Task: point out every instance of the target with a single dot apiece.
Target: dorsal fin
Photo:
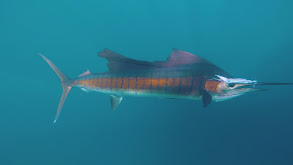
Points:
(87, 72)
(118, 62)
(176, 59)
(179, 57)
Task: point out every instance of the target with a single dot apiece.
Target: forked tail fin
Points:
(63, 79)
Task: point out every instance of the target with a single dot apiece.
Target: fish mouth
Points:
(241, 86)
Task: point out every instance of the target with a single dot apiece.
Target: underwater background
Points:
(251, 39)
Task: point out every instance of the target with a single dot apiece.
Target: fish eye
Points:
(231, 85)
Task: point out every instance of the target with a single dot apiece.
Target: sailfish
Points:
(182, 76)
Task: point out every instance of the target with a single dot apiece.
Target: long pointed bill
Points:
(245, 82)
(264, 83)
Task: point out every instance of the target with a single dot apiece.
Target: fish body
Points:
(161, 84)
(182, 76)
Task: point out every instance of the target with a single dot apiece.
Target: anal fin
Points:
(115, 100)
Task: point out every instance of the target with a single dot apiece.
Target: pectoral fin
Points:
(206, 98)
(115, 100)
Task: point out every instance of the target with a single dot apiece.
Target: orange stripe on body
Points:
(80, 83)
(125, 83)
(147, 83)
(155, 83)
(170, 82)
(91, 83)
(119, 82)
(188, 85)
(132, 83)
(95, 83)
(162, 82)
(87, 83)
(99, 82)
(104, 83)
(113, 85)
(108, 83)
(140, 83)
(83, 82)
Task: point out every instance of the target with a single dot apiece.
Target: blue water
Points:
(251, 39)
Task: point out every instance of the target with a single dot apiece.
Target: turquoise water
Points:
(250, 39)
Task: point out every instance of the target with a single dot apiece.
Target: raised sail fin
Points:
(179, 59)
(118, 62)
(115, 100)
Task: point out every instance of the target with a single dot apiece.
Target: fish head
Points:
(228, 88)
